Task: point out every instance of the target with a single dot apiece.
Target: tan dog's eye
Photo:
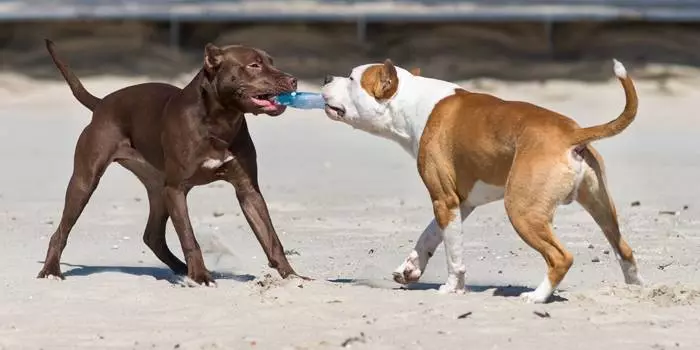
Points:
(254, 65)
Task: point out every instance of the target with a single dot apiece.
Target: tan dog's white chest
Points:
(483, 193)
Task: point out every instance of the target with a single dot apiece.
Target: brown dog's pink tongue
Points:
(262, 103)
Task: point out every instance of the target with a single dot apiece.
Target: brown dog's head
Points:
(244, 78)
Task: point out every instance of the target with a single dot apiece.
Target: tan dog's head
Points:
(362, 98)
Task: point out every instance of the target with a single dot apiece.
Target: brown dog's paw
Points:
(50, 273)
(200, 278)
(294, 275)
(289, 273)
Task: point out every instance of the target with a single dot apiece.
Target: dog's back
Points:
(135, 110)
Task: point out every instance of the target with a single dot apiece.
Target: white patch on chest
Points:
(211, 163)
(483, 193)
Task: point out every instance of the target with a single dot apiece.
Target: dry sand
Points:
(348, 207)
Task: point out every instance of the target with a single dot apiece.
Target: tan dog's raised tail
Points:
(474, 149)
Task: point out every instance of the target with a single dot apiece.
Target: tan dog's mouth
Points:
(334, 112)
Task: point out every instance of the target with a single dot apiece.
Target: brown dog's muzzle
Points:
(263, 93)
(291, 83)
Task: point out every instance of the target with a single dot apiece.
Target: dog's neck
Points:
(207, 93)
(219, 121)
(408, 111)
(205, 90)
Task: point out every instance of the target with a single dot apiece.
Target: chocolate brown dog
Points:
(160, 132)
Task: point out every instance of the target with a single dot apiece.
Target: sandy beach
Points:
(348, 208)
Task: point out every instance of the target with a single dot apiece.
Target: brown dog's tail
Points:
(586, 135)
(87, 99)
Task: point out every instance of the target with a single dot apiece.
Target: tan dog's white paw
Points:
(541, 294)
(454, 285)
(635, 280)
(409, 271)
(534, 298)
(448, 289)
(631, 273)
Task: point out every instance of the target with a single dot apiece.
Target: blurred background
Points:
(503, 39)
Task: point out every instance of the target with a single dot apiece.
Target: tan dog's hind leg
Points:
(594, 197)
(531, 199)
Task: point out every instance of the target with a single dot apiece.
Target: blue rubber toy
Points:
(301, 100)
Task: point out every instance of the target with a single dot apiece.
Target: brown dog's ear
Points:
(388, 80)
(213, 55)
(415, 71)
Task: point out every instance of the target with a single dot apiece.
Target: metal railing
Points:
(360, 12)
(350, 10)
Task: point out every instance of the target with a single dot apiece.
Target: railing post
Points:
(362, 30)
(174, 34)
(549, 33)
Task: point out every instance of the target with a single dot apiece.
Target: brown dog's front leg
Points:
(242, 173)
(256, 213)
(176, 202)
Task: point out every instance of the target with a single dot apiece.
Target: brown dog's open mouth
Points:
(334, 112)
(263, 100)
(266, 102)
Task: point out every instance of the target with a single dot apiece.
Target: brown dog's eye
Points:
(254, 65)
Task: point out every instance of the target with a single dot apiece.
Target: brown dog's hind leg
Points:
(594, 197)
(153, 180)
(530, 202)
(154, 234)
(175, 199)
(93, 153)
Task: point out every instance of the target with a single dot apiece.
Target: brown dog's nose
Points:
(292, 82)
(328, 79)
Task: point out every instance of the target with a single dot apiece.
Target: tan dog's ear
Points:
(388, 80)
(381, 80)
(213, 55)
(415, 71)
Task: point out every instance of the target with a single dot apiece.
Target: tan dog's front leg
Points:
(413, 267)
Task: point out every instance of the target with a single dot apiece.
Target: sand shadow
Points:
(508, 291)
(159, 273)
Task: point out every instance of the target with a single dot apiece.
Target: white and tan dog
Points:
(473, 149)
